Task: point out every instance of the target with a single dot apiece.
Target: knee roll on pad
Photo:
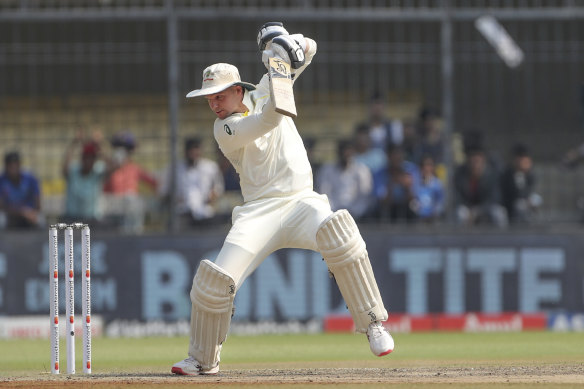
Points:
(212, 298)
(343, 249)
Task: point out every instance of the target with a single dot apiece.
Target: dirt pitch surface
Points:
(533, 374)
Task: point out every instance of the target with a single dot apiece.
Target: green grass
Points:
(436, 348)
(29, 359)
(26, 357)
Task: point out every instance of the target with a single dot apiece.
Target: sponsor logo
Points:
(279, 69)
(228, 130)
(469, 322)
(566, 322)
(485, 323)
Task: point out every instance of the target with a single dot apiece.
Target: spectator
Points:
(430, 140)
(429, 194)
(477, 196)
(199, 183)
(518, 187)
(232, 196)
(230, 175)
(372, 157)
(473, 138)
(346, 183)
(410, 139)
(383, 130)
(125, 207)
(85, 179)
(395, 187)
(20, 204)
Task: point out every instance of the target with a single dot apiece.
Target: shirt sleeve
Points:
(365, 180)
(35, 193)
(147, 178)
(238, 130)
(36, 187)
(218, 181)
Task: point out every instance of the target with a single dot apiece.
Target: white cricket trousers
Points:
(263, 226)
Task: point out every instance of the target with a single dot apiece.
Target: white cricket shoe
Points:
(191, 366)
(380, 340)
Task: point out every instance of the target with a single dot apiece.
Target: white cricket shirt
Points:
(264, 146)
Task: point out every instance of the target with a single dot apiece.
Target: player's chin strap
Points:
(212, 307)
(344, 252)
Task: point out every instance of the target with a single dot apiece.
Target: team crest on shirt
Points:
(228, 130)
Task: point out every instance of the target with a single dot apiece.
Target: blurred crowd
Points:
(107, 188)
(394, 171)
(388, 170)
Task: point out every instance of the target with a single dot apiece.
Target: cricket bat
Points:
(281, 90)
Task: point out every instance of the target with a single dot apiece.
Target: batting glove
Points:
(269, 31)
(299, 38)
(289, 50)
(269, 53)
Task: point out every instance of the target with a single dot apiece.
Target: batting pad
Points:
(345, 254)
(212, 303)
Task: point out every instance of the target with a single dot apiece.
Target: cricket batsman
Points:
(280, 209)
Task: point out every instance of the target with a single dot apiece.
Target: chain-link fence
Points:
(103, 66)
